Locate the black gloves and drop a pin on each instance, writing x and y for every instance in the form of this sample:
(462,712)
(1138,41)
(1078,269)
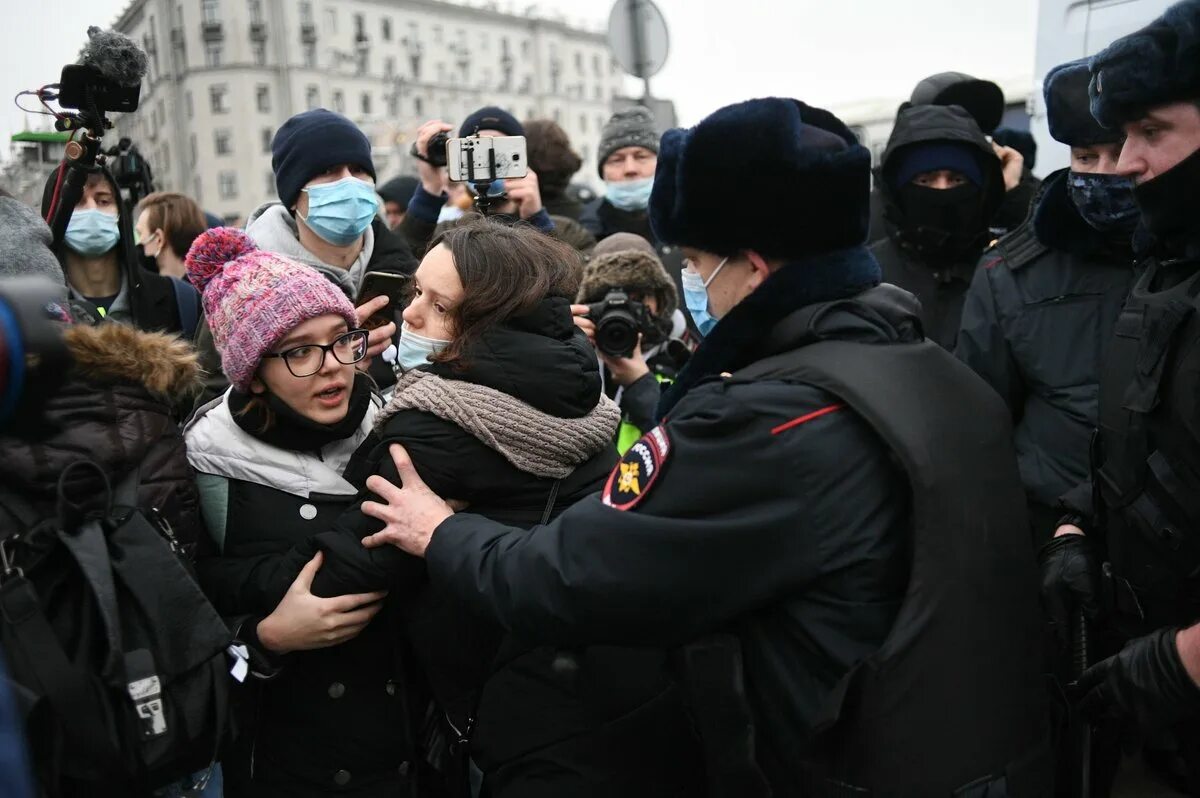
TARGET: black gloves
(1070,580)
(1146,682)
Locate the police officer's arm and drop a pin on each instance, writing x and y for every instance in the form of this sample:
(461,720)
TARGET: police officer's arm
(982,344)
(743,510)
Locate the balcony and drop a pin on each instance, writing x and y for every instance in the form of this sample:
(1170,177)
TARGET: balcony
(308,33)
(258,31)
(212,32)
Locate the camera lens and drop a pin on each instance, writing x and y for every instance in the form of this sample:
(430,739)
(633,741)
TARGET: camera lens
(617,333)
(437,149)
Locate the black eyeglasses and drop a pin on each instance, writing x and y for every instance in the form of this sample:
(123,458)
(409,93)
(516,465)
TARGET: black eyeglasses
(307,359)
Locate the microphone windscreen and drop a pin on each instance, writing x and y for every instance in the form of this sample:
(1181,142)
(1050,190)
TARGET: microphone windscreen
(115,56)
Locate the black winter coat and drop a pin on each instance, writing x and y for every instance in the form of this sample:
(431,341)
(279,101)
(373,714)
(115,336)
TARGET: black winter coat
(612,726)
(765,509)
(939,285)
(1036,326)
(334,721)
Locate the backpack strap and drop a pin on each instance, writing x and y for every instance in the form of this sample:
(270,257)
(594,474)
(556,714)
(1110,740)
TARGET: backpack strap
(187,300)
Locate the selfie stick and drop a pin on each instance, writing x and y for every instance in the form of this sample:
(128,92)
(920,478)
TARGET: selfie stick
(483,202)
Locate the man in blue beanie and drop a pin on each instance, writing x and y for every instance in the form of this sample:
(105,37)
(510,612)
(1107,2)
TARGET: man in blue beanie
(785,525)
(522,195)
(941,184)
(1139,514)
(327,217)
(1044,300)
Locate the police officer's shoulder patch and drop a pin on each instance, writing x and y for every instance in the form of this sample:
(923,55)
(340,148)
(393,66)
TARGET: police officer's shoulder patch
(637,470)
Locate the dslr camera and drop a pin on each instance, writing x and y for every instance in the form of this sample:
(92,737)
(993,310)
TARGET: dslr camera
(619,321)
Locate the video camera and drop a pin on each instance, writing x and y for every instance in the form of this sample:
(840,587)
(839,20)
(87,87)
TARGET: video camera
(619,321)
(33,356)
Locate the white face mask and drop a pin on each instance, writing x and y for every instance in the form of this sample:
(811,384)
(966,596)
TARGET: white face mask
(414,349)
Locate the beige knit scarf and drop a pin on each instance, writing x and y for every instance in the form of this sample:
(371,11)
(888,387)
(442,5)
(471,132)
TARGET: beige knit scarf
(534,442)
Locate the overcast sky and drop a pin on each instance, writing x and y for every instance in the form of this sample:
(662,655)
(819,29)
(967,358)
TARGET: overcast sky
(825,52)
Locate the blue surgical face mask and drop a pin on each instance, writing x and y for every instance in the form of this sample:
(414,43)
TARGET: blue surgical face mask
(415,350)
(629,195)
(1105,202)
(695,297)
(91,233)
(341,211)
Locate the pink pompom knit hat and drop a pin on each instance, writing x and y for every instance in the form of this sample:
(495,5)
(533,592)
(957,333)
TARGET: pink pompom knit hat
(253,299)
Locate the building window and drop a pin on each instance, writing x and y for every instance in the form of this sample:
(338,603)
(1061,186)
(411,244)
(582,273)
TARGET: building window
(260,53)
(262,96)
(212,55)
(418,107)
(389,67)
(270,184)
(598,93)
(223,142)
(579,62)
(437,34)
(360,27)
(366,103)
(218,98)
(596,64)
(227,185)
(386,28)
(583,123)
(209,10)
(187,104)
(166,158)
(312,98)
(310,55)
(339,102)
(306,16)
(268,137)
(192,154)
(255,7)
(331,19)
(525,48)
(197,185)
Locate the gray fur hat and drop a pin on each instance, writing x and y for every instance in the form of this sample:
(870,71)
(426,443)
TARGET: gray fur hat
(631,127)
(25,242)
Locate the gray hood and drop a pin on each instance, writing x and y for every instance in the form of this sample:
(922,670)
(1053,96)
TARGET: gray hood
(272,227)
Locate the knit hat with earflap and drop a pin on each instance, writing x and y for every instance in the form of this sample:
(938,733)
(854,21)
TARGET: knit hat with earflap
(253,299)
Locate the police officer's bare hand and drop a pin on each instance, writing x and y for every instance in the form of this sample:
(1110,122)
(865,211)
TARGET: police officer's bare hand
(381,337)
(1012,163)
(410,513)
(526,192)
(627,370)
(579,316)
(431,176)
(303,621)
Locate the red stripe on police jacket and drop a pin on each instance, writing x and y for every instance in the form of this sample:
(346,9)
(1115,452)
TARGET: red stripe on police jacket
(795,422)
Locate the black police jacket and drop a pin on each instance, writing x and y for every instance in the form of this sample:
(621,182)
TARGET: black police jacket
(1036,325)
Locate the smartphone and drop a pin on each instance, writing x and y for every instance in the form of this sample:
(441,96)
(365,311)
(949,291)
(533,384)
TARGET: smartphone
(394,286)
(482,159)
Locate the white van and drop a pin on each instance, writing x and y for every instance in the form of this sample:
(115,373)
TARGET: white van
(1071,29)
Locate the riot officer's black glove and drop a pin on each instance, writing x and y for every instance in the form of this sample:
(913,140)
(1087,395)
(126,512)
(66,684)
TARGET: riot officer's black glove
(1146,682)
(1070,580)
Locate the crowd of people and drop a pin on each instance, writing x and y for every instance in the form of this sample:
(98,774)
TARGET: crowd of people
(894,491)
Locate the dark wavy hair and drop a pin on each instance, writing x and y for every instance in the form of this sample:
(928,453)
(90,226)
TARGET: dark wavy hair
(505,270)
(550,155)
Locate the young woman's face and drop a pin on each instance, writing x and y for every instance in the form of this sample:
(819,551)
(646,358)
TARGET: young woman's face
(323,397)
(436,290)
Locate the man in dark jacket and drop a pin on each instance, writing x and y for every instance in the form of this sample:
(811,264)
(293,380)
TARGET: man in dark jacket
(1042,306)
(103,271)
(984,101)
(770,508)
(942,182)
(395,194)
(326,218)
(1139,512)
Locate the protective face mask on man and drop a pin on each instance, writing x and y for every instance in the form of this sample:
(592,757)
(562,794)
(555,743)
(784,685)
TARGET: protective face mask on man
(415,349)
(629,195)
(91,233)
(695,297)
(1105,202)
(943,224)
(341,211)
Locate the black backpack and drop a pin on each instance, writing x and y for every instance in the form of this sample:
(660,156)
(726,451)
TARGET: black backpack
(117,659)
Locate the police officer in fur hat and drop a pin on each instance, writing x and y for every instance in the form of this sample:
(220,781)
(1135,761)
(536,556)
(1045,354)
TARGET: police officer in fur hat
(1140,514)
(772,525)
(1042,305)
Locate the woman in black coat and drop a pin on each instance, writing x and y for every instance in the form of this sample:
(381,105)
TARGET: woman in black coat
(502,409)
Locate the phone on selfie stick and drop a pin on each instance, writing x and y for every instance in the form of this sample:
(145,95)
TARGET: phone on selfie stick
(482,160)
(394,286)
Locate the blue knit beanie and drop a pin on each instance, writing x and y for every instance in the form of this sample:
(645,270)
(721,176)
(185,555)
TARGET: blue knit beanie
(491,118)
(311,142)
(931,156)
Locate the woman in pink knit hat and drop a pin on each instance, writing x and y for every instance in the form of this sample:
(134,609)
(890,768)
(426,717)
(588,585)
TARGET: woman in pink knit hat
(269,456)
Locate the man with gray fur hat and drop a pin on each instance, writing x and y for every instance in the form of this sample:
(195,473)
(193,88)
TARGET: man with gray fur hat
(626,262)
